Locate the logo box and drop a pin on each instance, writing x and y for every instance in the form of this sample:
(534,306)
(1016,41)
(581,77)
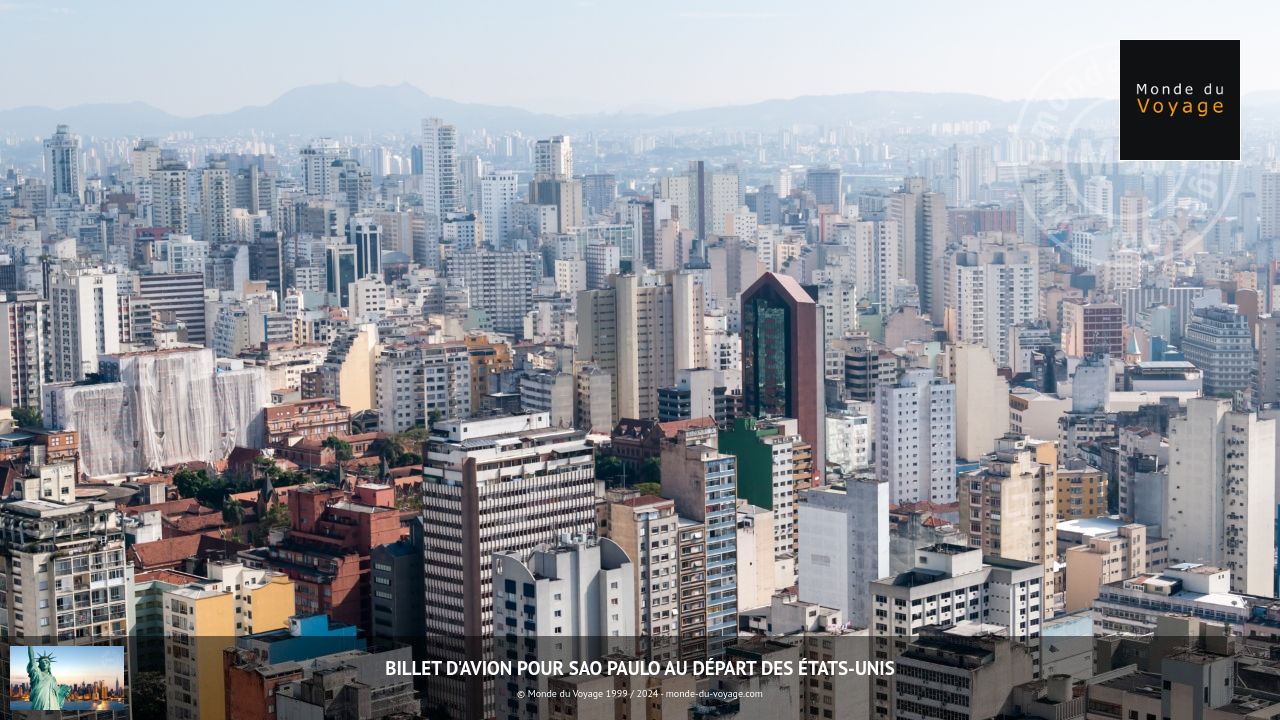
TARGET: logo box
(1179,99)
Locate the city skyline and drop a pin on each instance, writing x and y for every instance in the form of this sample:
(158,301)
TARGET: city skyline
(73,665)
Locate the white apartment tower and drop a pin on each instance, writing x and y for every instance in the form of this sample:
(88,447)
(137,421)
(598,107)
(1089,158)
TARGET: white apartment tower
(844,545)
(439,173)
(84,321)
(1220,507)
(916,452)
(992,288)
(553,158)
(24,365)
(499,192)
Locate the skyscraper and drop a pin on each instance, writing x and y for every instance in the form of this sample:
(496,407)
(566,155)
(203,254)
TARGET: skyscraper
(922,230)
(84,321)
(169,202)
(24,365)
(498,195)
(317,166)
(217,196)
(1219,342)
(782,357)
(703,483)
(500,484)
(366,236)
(992,288)
(1221,506)
(916,450)
(642,330)
(553,158)
(62,160)
(824,183)
(439,173)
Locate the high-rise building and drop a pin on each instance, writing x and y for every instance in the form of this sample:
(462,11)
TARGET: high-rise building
(583,589)
(602,261)
(366,236)
(702,482)
(440,192)
(824,184)
(916,449)
(1218,340)
(844,545)
(500,484)
(599,191)
(993,287)
(783,356)
(948,585)
(499,193)
(772,464)
(177,297)
(24,341)
(1099,198)
(1269,207)
(1092,328)
(417,384)
(1135,220)
(642,330)
(340,273)
(1221,506)
(62,162)
(921,219)
(982,406)
(317,160)
(170,204)
(84,321)
(553,158)
(201,616)
(217,197)
(646,527)
(499,283)
(1008,506)
(1266,388)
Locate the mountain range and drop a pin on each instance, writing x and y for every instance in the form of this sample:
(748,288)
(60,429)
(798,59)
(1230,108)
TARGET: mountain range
(345,109)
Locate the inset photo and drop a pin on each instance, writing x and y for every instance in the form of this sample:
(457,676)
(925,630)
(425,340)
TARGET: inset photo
(46,678)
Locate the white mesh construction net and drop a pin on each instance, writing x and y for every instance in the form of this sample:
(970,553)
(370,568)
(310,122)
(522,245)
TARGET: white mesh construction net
(169,407)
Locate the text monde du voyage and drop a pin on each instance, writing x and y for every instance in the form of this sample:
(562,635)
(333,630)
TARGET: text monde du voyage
(1180,99)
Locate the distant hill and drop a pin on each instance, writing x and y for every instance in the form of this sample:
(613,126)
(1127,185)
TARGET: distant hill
(342,109)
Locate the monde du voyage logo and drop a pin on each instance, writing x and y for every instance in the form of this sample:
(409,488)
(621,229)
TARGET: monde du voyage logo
(1179,99)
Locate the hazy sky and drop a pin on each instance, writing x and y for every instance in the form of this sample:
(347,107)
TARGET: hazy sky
(576,56)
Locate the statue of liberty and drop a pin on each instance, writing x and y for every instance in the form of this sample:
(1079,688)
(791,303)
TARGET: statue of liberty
(46,693)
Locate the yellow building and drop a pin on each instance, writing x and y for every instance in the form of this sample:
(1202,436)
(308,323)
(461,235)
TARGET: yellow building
(1120,555)
(489,359)
(1008,505)
(1082,493)
(203,618)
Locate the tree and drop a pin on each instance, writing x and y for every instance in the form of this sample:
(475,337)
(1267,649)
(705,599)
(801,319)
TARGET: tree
(147,694)
(341,448)
(233,512)
(648,488)
(609,469)
(277,516)
(30,417)
(651,471)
